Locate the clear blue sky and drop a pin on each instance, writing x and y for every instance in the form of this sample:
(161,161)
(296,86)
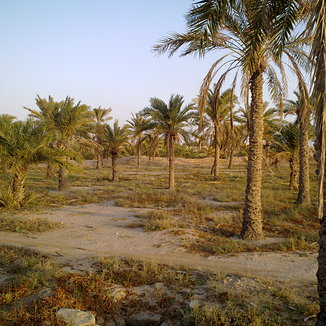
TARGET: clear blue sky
(96,51)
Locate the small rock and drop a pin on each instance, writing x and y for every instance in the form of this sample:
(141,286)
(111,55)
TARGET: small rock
(143,319)
(159,286)
(142,290)
(76,317)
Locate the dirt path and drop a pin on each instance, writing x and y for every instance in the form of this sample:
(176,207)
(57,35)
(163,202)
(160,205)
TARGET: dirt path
(101,229)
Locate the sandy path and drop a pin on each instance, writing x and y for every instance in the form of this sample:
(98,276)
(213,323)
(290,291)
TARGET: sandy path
(101,229)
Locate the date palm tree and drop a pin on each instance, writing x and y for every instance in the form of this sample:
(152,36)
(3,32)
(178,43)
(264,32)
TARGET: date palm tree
(249,30)
(286,146)
(169,121)
(302,108)
(217,109)
(69,124)
(317,26)
(138,124)
(100,116)
(116,137)
(23,143)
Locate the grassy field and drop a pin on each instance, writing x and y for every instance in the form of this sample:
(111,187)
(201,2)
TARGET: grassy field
(211,209)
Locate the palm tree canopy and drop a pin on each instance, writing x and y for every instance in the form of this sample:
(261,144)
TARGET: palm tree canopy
(25,143)
(286,142)
(171,118)
(253,33)
(138,124)
(69,123)
(117,137)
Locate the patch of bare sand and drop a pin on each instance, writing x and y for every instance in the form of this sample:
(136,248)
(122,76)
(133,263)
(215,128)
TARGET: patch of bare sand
(101,229)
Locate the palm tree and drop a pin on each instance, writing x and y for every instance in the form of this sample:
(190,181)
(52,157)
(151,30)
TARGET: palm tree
(318,54)
(286,145)
(21,145)
(302,108)
(138,124)
(170,121)
(217,109)
(152,140)
(100,116)
(116,138)
(250,31)
(69,123)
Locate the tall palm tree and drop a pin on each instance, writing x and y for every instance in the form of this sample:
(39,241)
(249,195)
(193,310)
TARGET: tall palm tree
(249,30)
(170,121)
(100,116)
(22,144)
(116,137)
(318,54)
(69,124)
(138,124)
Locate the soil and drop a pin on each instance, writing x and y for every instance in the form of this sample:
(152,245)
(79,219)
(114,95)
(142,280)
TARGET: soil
(102,229)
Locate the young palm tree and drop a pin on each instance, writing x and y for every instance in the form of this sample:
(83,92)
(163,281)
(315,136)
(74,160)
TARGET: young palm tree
(247,29)
(138,124)
(170,121)
(116,137)
(152,140)
(21,145)
(100,116)
(217,109)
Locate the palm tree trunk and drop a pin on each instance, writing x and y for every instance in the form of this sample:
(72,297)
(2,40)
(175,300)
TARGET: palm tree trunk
(252,227)
(321,272)
(231,156)
(62,179)
(216,163)
(49,171)
(17,187)
(171,161)
(138,154)
(99,161)
(293,173)
(304,182)
(115,173)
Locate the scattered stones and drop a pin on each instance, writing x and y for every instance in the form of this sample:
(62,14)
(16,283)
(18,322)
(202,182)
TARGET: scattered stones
(76,317)
(143,319)
(142,290)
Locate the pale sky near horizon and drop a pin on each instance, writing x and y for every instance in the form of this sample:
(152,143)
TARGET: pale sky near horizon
(96,51)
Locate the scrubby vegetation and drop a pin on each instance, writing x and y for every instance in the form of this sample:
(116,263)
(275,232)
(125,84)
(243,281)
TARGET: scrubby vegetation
(179,296)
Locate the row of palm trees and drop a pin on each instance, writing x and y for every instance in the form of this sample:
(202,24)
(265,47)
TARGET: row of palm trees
(61,131)
(258,37)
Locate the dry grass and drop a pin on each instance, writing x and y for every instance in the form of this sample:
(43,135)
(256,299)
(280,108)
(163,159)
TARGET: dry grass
(28,225)
(157,220)
(146,187)
(216,299)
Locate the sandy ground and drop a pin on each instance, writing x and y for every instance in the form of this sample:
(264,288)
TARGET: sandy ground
(101,229)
